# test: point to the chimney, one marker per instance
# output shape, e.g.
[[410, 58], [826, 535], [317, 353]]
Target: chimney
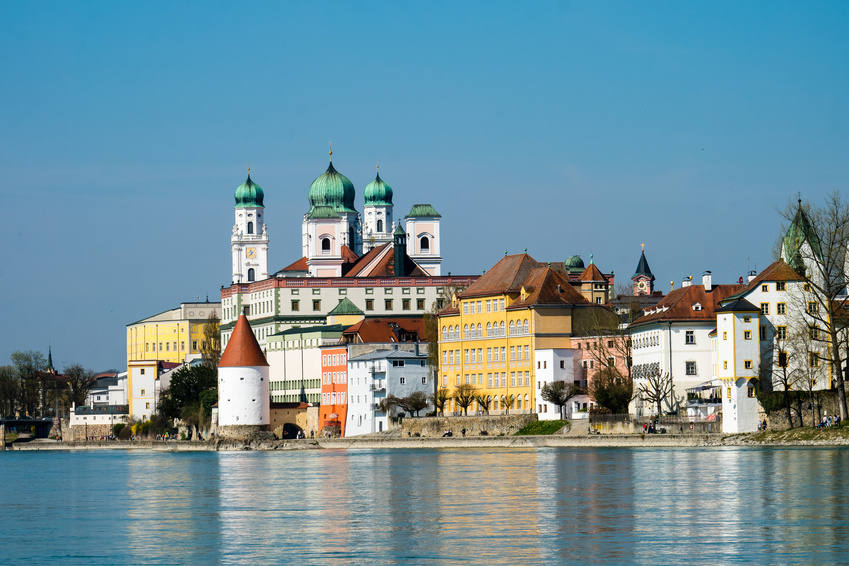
[[706, 281], [417, 349], [752, 275], [400, 249], [687, 281]]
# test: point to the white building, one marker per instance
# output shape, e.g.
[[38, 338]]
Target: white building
[[557, 364], [738, 364], [243, 398], [374, 376], [294, 358], [249, 242], [673, 338]]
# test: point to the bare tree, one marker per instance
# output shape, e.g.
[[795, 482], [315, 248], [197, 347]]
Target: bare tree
[[28, 367], [609, 332], [8, 391], [211, 344], [484, 401], [464, 395], [815, 245], [433, 333], [507, 402], [415, 402], [388, 405], [656, 388], [439, 399], [559, 393], [79, 382]]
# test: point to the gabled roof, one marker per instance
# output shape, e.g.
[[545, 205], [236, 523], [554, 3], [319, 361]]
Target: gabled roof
[[506, 276], [380, 262], [677, 306], [776, 271], [738, 305], [345, 306], [300, 265], [388, 355], [242, 350], [546, 286], [592, 273], [370, 330]]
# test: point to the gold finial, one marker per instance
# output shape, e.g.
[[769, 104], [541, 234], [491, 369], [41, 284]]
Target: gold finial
[[330, 144], [378, 166], [642, 247]]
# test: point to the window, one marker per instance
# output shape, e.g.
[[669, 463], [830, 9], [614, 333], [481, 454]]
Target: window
[[403, 381], [690, 337], [474, 356], [765, 288], [725, 365], [194, 345], [296, 305], [813, 307], [465, 308], [781, 333], [781, 308], [405, 304], [729, 393], [747, 319], [466, 355], [316, 304], [480, 310], [814, 333], [763, 332], [747, 364], [369, 304], [782, 359], [527, 351], [147, 405], [813, 359], [512, 353], [398, 363], [420, 304], [747, 335], [807, 287], [725, 336], [764, 308], [501, 304], [779, 286], [325, 246], [691, 368], [750, 392], [388, 304], [562, 364], [424, 380], [488, 306]]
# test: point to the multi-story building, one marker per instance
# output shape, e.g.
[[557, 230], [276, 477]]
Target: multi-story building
[[295, 364], [146, 379], [379, 266], [494, 332], [673, 340], [176, 335], [334, 388], [374, 376]]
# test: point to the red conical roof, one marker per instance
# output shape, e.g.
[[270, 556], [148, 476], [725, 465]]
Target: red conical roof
[[242, 350]]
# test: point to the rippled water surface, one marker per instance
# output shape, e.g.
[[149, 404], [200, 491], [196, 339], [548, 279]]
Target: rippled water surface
[[524, 506]]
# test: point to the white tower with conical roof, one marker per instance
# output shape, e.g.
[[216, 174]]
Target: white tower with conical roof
[[423, 239], [243, 391]]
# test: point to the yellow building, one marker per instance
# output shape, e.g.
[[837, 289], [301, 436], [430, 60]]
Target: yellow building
[[175, 335], [512, 324]]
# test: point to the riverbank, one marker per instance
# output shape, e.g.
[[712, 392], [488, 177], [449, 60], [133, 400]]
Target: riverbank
[[793, 437]]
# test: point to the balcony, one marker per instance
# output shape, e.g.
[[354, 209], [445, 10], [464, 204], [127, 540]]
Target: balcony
[[377, 386]]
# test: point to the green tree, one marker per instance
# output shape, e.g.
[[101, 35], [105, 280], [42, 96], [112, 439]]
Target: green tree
[[507, 402], [187, 385], [464, 395], [211, 344], [559, 393]]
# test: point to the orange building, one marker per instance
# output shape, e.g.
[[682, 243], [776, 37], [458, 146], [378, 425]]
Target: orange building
[[334, 389]]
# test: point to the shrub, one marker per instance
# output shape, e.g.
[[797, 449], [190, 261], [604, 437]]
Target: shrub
[[117, 428], [541, 427]]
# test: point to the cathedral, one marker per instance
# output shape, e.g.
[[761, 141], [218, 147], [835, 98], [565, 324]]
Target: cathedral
[[335, 236]]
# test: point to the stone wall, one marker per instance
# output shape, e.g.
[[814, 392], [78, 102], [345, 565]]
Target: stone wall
[[78, 433], [245, 433], [828, 405], [478, 425]]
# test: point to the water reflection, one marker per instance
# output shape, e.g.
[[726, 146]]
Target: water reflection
[[522, 506]]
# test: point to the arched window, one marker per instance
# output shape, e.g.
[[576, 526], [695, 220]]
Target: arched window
[[444, 333], [380, 225], [325, 245], [472, 331], [425, 245], [480, 330], [489, 329], [501, 332], [512, 328], [251, 274], [250, 227], [466, 331], [527, 327]]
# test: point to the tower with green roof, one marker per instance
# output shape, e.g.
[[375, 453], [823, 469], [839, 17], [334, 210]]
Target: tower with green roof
[[423, 239], [377, 214], [332, 228], [249, 241]]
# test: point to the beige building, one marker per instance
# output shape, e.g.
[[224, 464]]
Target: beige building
[[176, 335]]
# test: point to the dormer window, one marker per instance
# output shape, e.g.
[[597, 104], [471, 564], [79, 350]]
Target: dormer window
[[697, 306]]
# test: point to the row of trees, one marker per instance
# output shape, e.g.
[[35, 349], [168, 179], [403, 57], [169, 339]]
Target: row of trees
[[28, 389]]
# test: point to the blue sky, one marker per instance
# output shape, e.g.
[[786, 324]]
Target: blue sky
[[560, 127]]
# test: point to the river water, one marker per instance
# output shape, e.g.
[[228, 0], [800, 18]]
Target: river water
[[448, 506]]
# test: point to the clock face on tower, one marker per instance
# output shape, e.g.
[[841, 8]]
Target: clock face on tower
[[250, 253], [641, 284]]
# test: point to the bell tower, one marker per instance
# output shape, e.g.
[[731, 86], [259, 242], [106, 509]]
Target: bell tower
[[249, 242]]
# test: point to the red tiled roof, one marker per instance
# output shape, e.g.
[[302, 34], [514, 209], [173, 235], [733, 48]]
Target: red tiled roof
[[371, 330], [679, 304], [776, 271], [506, 276], [300, 265], [592, 273], [548, 287], [242, 350]]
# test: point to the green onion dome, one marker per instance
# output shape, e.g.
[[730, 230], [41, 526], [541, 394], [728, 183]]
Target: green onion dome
[[378, 193], [574, 263], [332, 189], [249, 194]]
